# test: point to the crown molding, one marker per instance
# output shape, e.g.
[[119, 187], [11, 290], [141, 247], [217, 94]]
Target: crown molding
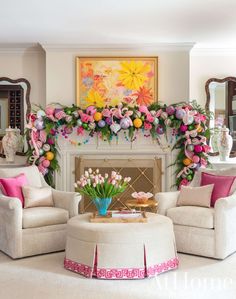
[[215, 51], [118, 47], [20, 48]]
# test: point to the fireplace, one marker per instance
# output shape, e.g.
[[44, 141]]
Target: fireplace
[[142, 154], [146, 175]]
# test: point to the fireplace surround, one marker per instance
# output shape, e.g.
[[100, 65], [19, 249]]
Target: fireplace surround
[[145, 173], [143, 150]]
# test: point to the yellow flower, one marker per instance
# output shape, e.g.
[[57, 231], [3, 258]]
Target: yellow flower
[[133, 74], [95, 99], [115, 102]]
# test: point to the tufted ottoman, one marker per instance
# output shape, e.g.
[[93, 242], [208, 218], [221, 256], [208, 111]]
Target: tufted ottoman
[[120, 250]]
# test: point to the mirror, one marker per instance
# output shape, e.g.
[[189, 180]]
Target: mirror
[[221, 100], [14, 103]]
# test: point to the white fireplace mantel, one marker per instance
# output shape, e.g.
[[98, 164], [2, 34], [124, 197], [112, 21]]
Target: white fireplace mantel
[[142, 147]]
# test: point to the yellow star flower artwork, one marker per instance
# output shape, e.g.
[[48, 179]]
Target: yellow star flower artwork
[[110, 81]]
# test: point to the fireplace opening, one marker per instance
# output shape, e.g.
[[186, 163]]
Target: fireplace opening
[[145, 173]]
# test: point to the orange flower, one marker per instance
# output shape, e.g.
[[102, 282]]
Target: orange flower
[[144, 96]]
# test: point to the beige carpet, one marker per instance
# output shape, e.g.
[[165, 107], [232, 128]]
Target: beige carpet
[[43, 277]]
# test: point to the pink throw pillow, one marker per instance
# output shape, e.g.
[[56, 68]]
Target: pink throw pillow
[[13, 186], [222, 185]]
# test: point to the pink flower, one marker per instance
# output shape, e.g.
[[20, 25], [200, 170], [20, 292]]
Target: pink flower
[[199, 118], [159, 112], [41, 159], [85, 118], [91, 110], [106, 112], [206, 148], [35, 135], [184, 182], [80, 131], [203, 162], [147, 126], [143, 109], [33, 117], [150, 118], [49, 110]]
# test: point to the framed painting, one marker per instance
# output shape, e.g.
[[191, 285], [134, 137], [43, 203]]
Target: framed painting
[[102, 81]]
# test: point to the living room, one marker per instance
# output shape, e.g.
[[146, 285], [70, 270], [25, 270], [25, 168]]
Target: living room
[[117, 150]]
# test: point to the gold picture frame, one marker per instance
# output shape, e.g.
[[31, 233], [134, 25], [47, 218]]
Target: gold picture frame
[[108, 81]]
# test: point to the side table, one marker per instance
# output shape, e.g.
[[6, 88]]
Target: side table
[[20, 161], [150, 205]]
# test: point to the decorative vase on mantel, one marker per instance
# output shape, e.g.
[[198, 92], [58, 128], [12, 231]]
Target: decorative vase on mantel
[[10, 144], [225, 143]]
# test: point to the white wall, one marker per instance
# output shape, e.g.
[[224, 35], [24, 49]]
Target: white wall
[[52, 72], [60, 72], [209, 64], [29, 64]]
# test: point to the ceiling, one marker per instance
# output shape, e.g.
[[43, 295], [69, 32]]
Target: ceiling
[[206, 22]]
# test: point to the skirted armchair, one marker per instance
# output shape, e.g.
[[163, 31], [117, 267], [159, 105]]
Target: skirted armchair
[[35, 230], [202, 231]]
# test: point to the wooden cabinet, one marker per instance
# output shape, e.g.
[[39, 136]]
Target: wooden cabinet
[[12, 107], [231, 97]]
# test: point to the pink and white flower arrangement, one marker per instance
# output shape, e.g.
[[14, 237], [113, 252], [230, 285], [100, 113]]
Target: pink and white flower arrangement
[[187, 121], [95, 185]]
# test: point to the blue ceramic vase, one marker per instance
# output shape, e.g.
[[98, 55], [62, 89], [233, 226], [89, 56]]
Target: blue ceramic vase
[[102, 205]]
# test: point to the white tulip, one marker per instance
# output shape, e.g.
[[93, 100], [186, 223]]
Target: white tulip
[[90, 170], [113, 174], [126, 180]]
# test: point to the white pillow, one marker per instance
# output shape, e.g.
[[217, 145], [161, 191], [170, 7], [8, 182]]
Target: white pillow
[[37, 197], [195, 196]]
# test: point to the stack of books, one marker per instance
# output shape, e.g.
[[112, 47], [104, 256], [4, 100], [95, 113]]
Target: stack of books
[[126, 214]]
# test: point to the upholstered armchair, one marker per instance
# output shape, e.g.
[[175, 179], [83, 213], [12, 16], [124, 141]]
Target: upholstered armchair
[[36, 230], [202, 231]]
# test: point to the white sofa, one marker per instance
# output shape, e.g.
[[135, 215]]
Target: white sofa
[[202, 231], [31, 231]]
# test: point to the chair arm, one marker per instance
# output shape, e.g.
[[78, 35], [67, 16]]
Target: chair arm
[[11, 226], [10, 203], [226, 202], [166, 200], [67, 200], [225, 225]]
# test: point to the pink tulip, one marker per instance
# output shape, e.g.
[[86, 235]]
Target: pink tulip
[[150, 118]]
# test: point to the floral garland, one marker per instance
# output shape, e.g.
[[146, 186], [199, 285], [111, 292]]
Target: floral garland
[[187, 121]]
